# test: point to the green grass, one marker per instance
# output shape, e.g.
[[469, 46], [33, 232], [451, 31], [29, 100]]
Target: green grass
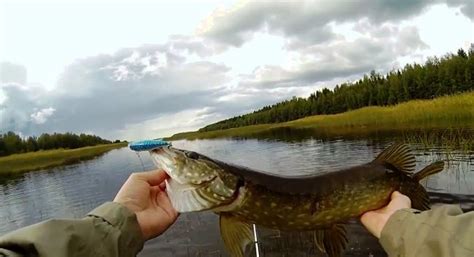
[[19, 163], [448, 112]]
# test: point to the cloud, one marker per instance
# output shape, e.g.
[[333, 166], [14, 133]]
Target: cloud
[[308, 22], [42, 115], [3, 98], [238, 24], [105, 93], [377, 49], [110, 92], [199, 46], [467, 7], [19, 101]]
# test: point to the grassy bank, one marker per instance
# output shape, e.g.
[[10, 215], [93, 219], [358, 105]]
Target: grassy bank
[[19, 163], [456, 111]]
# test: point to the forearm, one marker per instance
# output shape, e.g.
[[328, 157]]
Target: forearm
[[109, 230], [443, 231]]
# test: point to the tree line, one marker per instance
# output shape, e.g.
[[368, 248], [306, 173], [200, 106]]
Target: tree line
[[449, 74], [11, 143]]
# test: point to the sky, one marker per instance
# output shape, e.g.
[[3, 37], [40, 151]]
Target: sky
[[147, 69]]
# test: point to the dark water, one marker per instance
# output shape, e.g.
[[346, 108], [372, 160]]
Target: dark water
[[74, 190]]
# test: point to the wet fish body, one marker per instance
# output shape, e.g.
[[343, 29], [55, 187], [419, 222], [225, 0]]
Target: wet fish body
[[321, 203]]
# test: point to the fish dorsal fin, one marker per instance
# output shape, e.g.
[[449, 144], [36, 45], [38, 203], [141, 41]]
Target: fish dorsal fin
[[236, 234], [332, 240], [399, 156]]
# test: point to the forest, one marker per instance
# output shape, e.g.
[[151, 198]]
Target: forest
[[450, 74], [11, 143]]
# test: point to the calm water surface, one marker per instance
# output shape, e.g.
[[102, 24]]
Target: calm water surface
[[74, 190]]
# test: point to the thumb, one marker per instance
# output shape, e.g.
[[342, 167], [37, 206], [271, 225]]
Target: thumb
[[399, 201]]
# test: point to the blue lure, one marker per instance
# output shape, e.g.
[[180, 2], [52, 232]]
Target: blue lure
[[147, 145]]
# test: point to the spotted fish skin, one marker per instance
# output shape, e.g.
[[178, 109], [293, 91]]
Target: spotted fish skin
[[298, 212], [321, 202]]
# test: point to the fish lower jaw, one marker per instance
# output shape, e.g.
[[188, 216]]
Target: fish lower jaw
[[234, 205]]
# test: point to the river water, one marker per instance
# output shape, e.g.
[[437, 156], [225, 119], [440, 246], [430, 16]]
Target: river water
[[72, 191]]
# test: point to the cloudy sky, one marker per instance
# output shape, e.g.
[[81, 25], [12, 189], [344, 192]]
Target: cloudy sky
[[145, 69]]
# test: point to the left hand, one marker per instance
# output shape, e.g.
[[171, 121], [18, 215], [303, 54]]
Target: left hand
[[145, 194]]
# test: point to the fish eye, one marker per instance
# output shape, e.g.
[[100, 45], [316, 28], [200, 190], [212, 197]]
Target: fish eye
[[192, 155]]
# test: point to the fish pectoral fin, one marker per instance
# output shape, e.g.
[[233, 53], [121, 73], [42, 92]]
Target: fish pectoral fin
[[399, 156], [332, 240], [236, 234]]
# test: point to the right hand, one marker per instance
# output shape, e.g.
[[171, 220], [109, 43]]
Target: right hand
[[145, 194], [374, 221]]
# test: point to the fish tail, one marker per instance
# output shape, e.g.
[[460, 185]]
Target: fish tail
[[429, 170]]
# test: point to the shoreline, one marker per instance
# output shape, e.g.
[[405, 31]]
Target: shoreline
[[453, 112], [17, 164]]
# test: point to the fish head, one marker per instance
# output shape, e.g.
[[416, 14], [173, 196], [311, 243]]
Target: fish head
[[196, 182]]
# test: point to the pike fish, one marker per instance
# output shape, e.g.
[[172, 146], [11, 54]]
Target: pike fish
[[321, 203]]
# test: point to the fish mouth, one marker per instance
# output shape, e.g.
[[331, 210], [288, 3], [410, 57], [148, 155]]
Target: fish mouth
[[164, 159], [195, 184]]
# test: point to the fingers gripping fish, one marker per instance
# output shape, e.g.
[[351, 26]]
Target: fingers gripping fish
[[321, 203]]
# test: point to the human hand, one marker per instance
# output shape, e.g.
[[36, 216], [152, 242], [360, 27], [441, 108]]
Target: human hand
[[145, 194], [374, 221]]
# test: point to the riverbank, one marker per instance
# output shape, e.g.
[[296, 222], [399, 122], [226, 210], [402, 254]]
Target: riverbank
[[19, 163], [452, 113]]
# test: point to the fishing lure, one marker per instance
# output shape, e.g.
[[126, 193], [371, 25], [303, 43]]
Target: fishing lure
[[148, 145]]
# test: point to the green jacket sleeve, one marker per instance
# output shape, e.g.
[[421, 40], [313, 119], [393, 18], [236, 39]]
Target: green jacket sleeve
[[109, 230], [441, 232]]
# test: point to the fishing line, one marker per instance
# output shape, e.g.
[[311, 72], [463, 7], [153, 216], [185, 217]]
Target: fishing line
[[141, 161], [257, 252]]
